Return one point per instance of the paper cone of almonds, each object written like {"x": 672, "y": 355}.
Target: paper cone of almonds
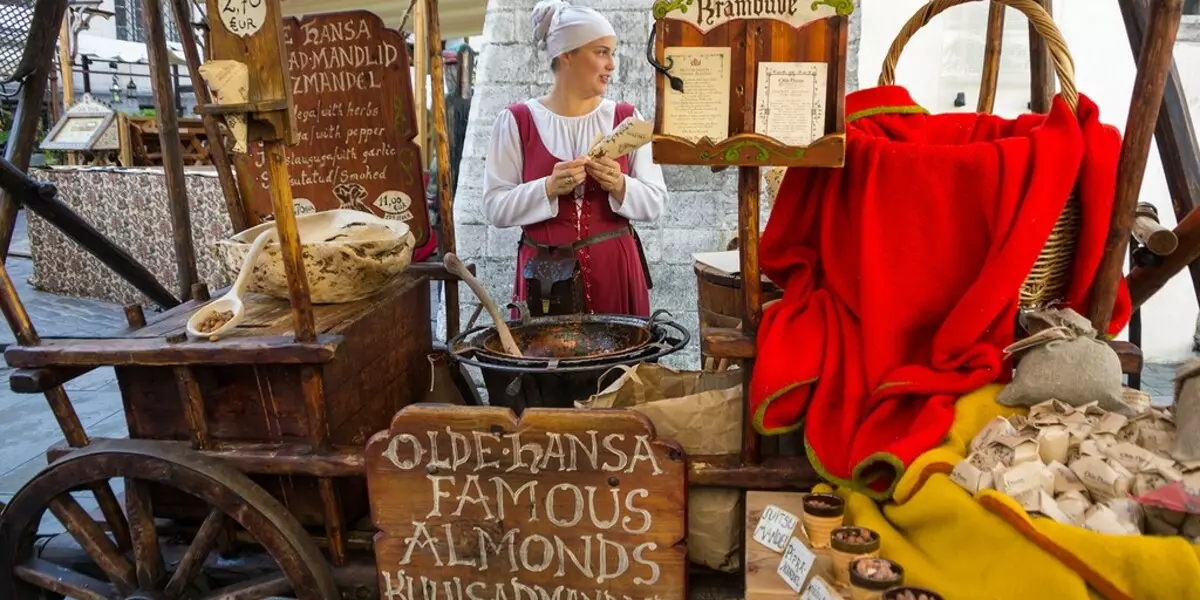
{"x": 229, "y": 81}
{"x": 627, "y": 136}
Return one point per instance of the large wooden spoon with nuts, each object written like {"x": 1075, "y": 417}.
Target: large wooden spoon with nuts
{"x": 456, "y": 267}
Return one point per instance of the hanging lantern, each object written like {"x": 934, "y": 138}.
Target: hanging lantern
{"x": 131, "y": 88}
{"x": 115, "y": 90}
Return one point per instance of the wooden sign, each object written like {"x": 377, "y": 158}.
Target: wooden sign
{"x": 250, "y": 32}
{"x": 751, "y": 82}
{"x": 471, "y": 503}
{"x": 354, "y": 106}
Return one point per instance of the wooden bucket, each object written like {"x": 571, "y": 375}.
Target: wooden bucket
{"x": 719, "y": 300}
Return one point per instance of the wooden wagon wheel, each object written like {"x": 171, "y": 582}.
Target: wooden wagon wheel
{"x": 143, "y": 575}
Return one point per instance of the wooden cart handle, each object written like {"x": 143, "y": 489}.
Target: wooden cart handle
{"x": 1041, "y": 21}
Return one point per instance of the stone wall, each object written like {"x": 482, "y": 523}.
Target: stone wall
{"x": 701, "y": 212}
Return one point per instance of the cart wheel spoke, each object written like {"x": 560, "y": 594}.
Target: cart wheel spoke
{"x": 146, "y": 554}
{"x": 92, "y": 538}
{"x": 161, "y": 482}
{"x": 202, "y": 545}
{"x": 254, "y": 589}
{"x": 111, "y": 509}
{"x": 61, "y": 580}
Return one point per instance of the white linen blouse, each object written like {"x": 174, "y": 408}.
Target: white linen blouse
{"x": 507, "y": 202}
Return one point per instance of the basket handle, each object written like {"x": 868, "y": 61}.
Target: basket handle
{"x": 1041, "y": 21}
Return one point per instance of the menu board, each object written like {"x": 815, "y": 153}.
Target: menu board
{"x": 356, "y": 124}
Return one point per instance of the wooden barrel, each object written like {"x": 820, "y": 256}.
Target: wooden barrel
{"x": 719, "y": 299}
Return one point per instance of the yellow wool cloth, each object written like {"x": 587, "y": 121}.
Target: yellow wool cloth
{"x": 987, "y": 546}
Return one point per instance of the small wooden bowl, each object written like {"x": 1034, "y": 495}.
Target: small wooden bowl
{"x": 864, "y": 588}
{"x": 917, "y": 593}
{"x": 822, "y": 514}
{"x": 844, "y": 552}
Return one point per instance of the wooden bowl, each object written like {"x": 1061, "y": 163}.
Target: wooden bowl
{"x": 348, "y": 255}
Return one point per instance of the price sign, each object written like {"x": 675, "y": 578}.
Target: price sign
{"x": 775, "y": 527}
{"x": 818, "y": 589}
{"x": 243, "y": 17}
{"x": 796, "y": 563}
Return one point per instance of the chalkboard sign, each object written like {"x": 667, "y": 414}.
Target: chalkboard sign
{"x": 354, "y": 113}
{"x": 472, "y": 503}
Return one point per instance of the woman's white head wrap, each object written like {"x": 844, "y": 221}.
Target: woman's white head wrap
{"x": 559, "y": 28}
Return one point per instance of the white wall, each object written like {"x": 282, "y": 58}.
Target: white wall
{"x": 1104, "y": 69}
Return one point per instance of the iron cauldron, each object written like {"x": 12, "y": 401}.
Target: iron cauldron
{"x": 565, "y": 357}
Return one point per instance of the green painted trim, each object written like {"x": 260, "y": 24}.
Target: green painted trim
{"x": 854, "y": 484}
{"x": 761, "y": 413}
{"x": 663, "y": 8}
{"x": 864, "y": 485}
{"x": 844, "y": 8}
{"x": 731, "y": 153}
{"x": 887, "y": 110}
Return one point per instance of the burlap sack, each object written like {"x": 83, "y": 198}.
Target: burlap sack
{"x": 1187, "y": 412}
{"x": 702, "y": 411}
{"x": 1063, "y": 360}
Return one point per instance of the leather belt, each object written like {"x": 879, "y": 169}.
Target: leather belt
{"x": 580, "y": 244}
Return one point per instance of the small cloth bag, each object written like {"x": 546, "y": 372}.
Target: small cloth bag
{"x": 1063, "y": 360}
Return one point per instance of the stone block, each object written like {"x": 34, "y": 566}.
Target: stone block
{"x": 502, "y": 243}
{"x": 691, "y": 210}
{"x": 506, "y": 64}
{"x": 499, "y": 26}
{"x": 686, "y": 178}
{"x": 470, "y": 240}
{"x": 674, "y": 289}
{"x": 468, "y": 203}
{"x": 679, "y": 244}
{"x": 651, "y": 244}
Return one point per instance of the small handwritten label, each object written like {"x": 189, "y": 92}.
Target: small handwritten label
{"x": 774, "y": 528}
{"x": 795, "y": 564}
{"x": 818, "y": 589}
{"x": 243, "y": 17}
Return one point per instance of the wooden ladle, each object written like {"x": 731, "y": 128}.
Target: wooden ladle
{"x": 456, "y": 267}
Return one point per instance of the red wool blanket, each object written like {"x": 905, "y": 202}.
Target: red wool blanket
{"x": 901, "y": 272}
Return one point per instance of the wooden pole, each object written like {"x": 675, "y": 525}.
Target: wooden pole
{"x": 1041, "y": 67}
{"x": 25, "y": 118}
{"x": 446, "y": 243}
{"x": 64, "y": 62}
{"x": 421, "y": 60}
{"x": 748, "y": 213}
{"x": 234, "y": 204}
{"x": 1153, "y": 66}
{"x": 991, "y": 58}
{"x": 1180, "y": 154}
{"x": 172, "y": 147}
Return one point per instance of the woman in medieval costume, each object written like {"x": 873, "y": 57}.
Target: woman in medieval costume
{"x": 578, "y": 251}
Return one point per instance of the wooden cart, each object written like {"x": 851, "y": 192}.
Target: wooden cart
{"x": 257, "y": 439}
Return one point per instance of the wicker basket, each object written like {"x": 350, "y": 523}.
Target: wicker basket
{"x": 1051, "y": 273}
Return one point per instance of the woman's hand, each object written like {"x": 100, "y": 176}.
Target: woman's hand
{"x": 565, "y": 177}
{"x": 608, "y": 174}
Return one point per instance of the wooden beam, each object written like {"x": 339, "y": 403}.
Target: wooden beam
{"x": 1145, "y": 281}
{"x": 40, "y": 46}
{"x": 1177, "y": 148}
{"x": 1041, "y": 67}
{"x": 991, "y": 58}
{"x": 154, "y": 28}
{"x": 446, "y": 240}
{"x": 216, "y": 141}
{"x": 1153, "y": 65}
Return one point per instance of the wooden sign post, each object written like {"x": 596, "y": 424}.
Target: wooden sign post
{"x": 472, "y": 503}
{"x": 751, "y": 84}
{"x": 354, "y": 110}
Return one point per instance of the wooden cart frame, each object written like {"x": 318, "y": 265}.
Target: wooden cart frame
{"x": 187, "y": 465}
